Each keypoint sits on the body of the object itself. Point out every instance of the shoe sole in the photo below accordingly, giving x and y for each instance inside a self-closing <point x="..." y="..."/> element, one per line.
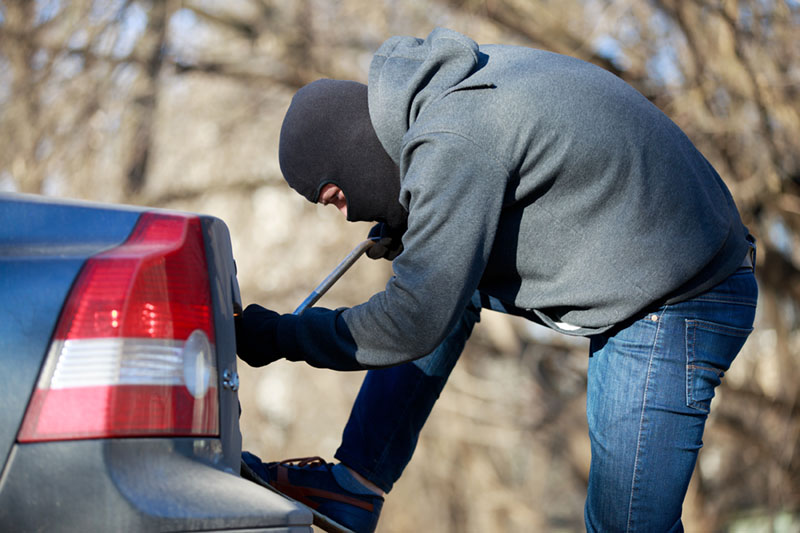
<point x="320" y="520"/>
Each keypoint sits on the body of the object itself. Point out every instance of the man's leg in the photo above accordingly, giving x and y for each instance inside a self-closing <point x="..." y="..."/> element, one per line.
<point x="650" y="389"/>
<point x="393" y="405"/>
<point x="378" y="442"/>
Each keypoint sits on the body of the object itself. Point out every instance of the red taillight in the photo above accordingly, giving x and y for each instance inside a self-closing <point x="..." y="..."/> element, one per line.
<point x="133" y="352"/>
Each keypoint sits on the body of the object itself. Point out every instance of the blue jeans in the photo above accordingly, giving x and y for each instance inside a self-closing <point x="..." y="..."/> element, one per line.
<point x="650" y="385"/>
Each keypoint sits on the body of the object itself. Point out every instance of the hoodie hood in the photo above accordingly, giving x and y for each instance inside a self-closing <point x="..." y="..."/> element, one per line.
<point x="407" y="74"/>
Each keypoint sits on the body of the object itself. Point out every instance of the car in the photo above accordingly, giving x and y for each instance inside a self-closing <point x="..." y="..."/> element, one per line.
<point x="118" y="378"/>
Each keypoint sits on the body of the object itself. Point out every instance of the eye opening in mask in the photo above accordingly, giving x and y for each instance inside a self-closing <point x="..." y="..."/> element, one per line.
<point x="321" y="185"/>
<point x="330" y="193"/>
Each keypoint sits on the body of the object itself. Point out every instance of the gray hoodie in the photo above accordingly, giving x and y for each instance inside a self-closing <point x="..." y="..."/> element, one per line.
<point x="543" y="181"/>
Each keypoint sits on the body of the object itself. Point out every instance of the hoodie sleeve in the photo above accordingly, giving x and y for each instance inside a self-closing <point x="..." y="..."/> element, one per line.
<point x="454" y="192"/>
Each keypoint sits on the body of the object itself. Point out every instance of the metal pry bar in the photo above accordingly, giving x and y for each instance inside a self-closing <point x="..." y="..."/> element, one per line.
<point x="334" y="276"/>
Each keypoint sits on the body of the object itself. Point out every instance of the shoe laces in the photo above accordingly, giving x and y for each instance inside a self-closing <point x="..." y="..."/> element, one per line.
<point x="305" y="462"/>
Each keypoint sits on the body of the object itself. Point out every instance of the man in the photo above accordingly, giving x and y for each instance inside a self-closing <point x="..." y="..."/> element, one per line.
<point x="529" y="183"/>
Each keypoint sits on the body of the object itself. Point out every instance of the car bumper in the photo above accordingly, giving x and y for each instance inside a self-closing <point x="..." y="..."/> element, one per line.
<point x="136" y="485"/>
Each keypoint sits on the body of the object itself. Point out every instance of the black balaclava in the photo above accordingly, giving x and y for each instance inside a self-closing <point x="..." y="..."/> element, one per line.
<point x="327" y="137"/>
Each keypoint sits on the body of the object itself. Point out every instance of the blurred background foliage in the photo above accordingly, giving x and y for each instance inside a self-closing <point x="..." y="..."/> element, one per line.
<point x="178" y="104"/>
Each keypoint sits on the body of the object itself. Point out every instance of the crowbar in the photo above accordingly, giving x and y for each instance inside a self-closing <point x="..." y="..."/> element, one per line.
<point x="335" y="274"/>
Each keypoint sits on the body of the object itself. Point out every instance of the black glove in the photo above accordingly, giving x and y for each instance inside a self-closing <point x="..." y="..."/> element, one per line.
<point x="388" y="243"/>
<point x="257" y="335"/>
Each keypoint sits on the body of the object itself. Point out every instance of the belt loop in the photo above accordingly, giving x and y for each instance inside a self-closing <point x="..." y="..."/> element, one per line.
<point x="752" y="251"/>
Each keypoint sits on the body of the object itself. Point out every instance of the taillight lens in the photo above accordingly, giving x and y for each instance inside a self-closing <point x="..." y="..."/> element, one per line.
<point x="133" y="352"/>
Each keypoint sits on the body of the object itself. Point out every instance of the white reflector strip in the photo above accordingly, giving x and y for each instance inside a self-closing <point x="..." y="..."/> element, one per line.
<point x="115" y="361"/>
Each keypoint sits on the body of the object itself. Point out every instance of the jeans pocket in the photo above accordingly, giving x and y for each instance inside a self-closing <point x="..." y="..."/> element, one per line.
<point x="710" y="350"/>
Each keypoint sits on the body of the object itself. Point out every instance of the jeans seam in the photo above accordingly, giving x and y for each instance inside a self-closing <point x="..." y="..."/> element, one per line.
<point x="726" y="300"/>
<point x="690" y="332"/>
<point x="717" y="327"/>
<point x="642" y="420"/>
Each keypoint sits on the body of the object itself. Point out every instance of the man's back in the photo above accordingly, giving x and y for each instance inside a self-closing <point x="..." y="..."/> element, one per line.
<point x="607" y="206"/>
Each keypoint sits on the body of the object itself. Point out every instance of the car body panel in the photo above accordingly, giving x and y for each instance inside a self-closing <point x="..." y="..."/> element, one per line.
<point x="131" y="484"/>
<point x="42" y="248"/>
<point x="134" y="485"/>
<point x="143" y="485"/>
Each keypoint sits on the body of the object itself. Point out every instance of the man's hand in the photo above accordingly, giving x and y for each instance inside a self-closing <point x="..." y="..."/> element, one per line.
<point x="257" y="336"/>
<point x="388" y="243"/>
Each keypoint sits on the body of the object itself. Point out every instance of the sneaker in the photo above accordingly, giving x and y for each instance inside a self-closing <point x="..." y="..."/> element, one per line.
<point x="311" y="482"/>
